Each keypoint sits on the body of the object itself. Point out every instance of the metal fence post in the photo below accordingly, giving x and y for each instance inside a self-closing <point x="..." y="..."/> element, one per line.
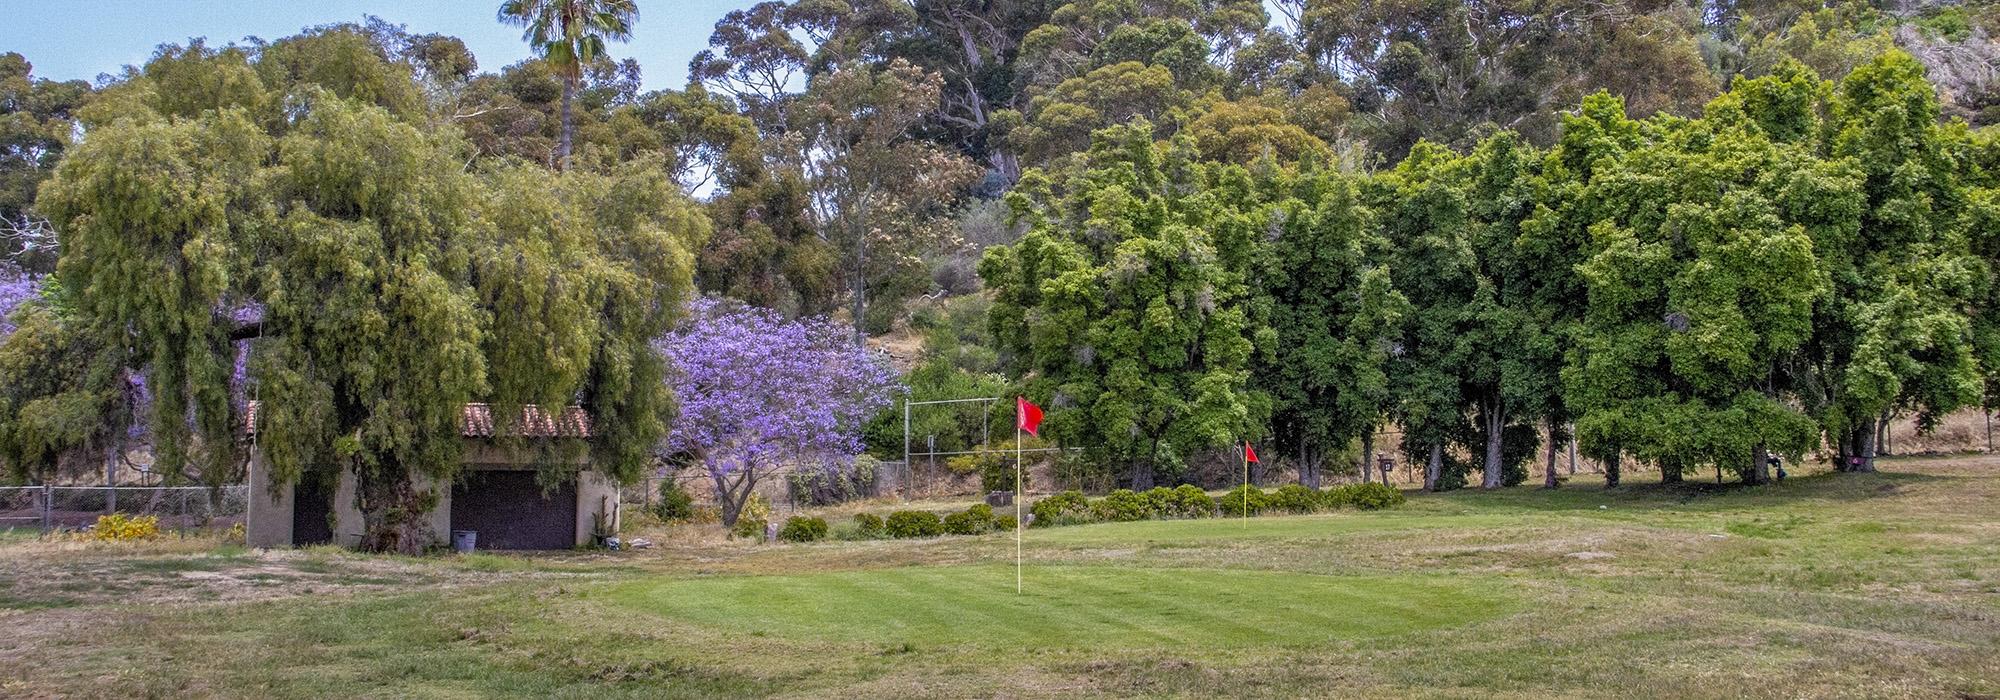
<point x="48" y="504"/>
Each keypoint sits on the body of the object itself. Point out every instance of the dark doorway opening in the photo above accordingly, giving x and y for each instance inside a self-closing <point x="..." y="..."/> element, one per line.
<point x="312" y="512"/>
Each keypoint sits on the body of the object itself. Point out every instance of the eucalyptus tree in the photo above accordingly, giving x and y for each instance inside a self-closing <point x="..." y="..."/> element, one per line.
<point x="570" y="35"/>
<point x="37" y="122"/>
<point x="396" y="284"/>
<point x="878" y="195"/>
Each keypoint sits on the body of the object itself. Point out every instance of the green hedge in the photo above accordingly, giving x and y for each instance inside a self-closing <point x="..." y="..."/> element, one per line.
<point x="1121" y="506"/>
<point x="1066" y="508"/>
<point x="972" y="521"/>
<point x="1233" y="503"/>
<point x="1368" y="496"/>
<point x="1072" y="508"/>
<point x="1295" y="498"/>
<point x="906" y="524"/>
<point x="869" y="525"/>
<point x="803" y="529"/>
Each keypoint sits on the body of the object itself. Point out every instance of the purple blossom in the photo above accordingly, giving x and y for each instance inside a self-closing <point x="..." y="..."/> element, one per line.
<point x="759" y="393"/>
<point x="16" y="287"/>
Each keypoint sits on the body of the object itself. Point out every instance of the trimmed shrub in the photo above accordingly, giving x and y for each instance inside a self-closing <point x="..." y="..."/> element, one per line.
<point x="1122" y="505"/>
<point x="869" y="525"/>
<point x="972" y="521"/>
<point x="1374" y="496"/>
<point x="1191" y="502"/>
<point x="803" y="529"/>
<point x="1066" y="508"/>
<point x="1232" y="504"/>
<point x="963" y="523"/>
<point x="1296" y="498"/>
<point x="906" y="524"/>
<point x="675" y="504"/>
<point x="1005" y="523"/>
<point x="1160" y="500"/>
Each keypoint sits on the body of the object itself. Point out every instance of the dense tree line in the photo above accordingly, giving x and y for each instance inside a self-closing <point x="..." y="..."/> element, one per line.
<point x="1478" y="221"/>
<point x="1792" y="266"/>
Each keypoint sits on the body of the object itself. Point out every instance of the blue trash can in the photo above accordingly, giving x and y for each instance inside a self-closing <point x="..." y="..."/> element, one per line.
<point x="462" y="541"/>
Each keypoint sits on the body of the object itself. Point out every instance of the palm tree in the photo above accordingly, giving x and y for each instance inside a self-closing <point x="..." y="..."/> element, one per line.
<point x="569" y="34"/>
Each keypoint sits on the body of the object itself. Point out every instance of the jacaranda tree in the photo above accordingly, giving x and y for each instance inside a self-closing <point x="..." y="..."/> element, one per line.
<point x="760" y="395"/>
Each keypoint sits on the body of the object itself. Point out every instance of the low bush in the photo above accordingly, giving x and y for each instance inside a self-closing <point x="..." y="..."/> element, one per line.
<point x="1232" y="504"/>
<point x="800" y="528"/>
<point x="1122" y="505"/>
<point x="1005" y="523"/>
<point x="116" y="527"/>
<point x="1373" y="496"/>
<point x="675" y="504"/>
<point x="1295" y="498"/>
<point x="963" y="523"/>
<point x="1066" y="508"/>
<point x="869" y="525"/>
<point x="906" y="524"/>
<point x="972" y="521"/>
<point x="1160" y="500"/>
<point x="1191" y="502"/>
<point x="748" y="527"/>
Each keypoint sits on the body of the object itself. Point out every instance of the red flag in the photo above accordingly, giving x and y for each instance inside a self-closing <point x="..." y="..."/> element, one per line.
<point x="1027" y="416"/>
<point x="1249" y="453"/>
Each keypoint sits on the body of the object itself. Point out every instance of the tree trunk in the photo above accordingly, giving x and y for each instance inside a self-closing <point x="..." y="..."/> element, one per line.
<point x="1368" y="456"/>
<point x="1864" y="457"/>
<point x="1549" y="474"/>
<point x="393" y="510"/>
<point x="1309" y="465"/>
<point x="1760" y="465"/>
<point x="1142" y="475"/>
<point x="1670" y="471"/>
<point x="568" y="125"/>
<point x="730" y="499"/>
<point x="1611" y="471"/>
<point x="859" y="289"/>
<point x="1882" y="434"/>
<point x="1492" y="477"/>
<point x="1434" y="469"/>
<point x="1843" y="450"/>
<point x="1572" y="449"/>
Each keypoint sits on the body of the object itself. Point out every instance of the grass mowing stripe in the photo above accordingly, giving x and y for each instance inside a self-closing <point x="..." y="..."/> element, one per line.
<point x="1067" y="606"/>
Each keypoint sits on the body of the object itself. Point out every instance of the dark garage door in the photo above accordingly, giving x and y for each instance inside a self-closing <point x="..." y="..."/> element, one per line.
<point x="509" y="511"/>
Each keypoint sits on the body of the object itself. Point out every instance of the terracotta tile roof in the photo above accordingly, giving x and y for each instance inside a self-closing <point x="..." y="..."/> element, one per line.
<point x="478" y="421"/>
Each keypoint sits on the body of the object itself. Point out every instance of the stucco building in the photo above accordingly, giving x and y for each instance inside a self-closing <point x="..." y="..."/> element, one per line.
<point x="496" y="493"/>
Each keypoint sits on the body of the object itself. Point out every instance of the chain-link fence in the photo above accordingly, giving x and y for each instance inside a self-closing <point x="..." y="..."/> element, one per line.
<point x="53" y="508"/>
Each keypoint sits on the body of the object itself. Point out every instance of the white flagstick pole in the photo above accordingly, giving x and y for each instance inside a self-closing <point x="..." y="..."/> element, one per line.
<point x="1246" y="484"/>
<point x="1020" y="494"/>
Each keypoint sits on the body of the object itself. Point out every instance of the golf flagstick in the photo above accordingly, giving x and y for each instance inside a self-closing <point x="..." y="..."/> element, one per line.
<point x="1027" y="417"/>
<point x="1249" y="455"/>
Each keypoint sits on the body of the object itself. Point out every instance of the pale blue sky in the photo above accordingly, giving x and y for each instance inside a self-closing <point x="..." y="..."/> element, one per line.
<point x="67" y="39"/>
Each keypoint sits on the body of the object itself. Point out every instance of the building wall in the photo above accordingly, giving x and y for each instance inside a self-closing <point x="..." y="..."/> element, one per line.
<point x="269" y="522"/>
<point x="594" y="493"/>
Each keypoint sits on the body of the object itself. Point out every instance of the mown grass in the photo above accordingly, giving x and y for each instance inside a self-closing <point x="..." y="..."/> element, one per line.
<point x="1831" y="585"/>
